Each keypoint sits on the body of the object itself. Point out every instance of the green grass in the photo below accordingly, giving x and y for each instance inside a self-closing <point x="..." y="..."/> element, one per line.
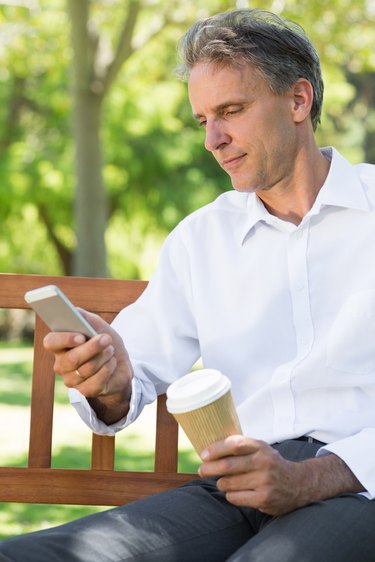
<point x="70" y="450"/>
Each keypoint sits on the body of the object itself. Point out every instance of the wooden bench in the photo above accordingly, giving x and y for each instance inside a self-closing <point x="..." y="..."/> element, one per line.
<point x="102" y="484"/>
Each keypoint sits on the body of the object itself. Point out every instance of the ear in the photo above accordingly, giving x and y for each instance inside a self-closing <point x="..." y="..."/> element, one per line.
<point x="302" y="99"/>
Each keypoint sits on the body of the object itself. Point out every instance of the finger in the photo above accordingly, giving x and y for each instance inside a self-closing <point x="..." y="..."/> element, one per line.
<point x="68" y="361"/>
<point x="232" y="445"/>
<point x="97" y="385"/>
<point x="261" y="500"/>
<point x="245" y="498"/>
<point x="79" y="375"/>
<point x="91" y="367"/>
<point x="226" y="466"/>
<point x="237" y="482"/>
<point x="57" y="342"/>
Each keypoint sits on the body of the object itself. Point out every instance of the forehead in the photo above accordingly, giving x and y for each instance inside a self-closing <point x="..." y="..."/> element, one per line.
<point x="212" y="84"/>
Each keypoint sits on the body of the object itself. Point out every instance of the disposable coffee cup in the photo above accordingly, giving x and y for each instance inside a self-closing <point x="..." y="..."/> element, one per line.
<point x="201" y="402"/>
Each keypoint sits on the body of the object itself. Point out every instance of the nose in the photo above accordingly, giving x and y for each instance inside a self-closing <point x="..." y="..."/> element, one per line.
<point x="216" y="137"/>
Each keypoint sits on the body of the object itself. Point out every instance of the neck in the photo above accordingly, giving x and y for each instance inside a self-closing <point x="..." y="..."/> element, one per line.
<point x="292" y="198"/>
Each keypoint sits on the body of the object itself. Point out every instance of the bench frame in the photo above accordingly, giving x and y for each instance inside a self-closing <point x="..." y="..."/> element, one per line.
<point x="102" y="484"/>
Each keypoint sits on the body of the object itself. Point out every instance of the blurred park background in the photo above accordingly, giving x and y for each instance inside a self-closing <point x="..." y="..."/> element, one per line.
<point x="100" y="158"/>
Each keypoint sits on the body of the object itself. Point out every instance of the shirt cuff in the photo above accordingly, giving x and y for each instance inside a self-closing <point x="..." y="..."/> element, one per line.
<point x="88" y="415"/>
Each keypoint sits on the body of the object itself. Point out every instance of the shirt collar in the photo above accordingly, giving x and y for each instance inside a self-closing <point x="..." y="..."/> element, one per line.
<point x="342" y="188"/>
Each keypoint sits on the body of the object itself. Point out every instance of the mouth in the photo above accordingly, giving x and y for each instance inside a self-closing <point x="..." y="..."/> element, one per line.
<point x="232" y="162"/>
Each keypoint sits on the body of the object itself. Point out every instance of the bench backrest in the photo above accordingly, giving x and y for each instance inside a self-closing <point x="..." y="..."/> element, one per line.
<point x="102" y="484"/>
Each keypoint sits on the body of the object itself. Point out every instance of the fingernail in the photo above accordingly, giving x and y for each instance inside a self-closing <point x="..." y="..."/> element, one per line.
<point x="79" y="338"/>
<point x="105" y="340"/>
<point x="204" y="455"/>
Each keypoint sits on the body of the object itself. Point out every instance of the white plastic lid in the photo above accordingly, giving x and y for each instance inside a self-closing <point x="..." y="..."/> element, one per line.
<point x="195" y="390"/>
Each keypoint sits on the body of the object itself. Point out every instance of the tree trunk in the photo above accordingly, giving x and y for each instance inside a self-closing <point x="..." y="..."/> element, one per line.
<point x="90" y="201"/>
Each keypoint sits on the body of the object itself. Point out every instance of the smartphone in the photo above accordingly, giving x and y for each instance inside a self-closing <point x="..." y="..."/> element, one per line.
<point x="57" y="311"/>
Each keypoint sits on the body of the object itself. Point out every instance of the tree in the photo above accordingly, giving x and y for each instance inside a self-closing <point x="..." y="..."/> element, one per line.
<point x="93" y="77"/>
<point x="95" y="70"/>
<point x="154" y="169"/>
<point x="37" y="123"/>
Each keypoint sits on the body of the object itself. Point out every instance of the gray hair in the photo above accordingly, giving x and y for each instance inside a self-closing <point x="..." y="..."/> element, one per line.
<point x="279" y="49"/>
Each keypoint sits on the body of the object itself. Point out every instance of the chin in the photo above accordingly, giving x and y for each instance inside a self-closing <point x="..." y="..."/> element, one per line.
<point x="244" y="188"/>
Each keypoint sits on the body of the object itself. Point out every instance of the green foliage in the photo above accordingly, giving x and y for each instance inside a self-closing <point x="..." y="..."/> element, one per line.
<point x="155" y="168"/>
<point x="35" y="169"/>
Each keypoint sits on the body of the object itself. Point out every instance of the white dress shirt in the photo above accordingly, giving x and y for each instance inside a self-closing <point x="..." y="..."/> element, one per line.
<point x="286" y="312"/>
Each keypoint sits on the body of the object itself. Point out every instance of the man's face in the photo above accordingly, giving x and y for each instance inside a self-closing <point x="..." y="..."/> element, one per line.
<point x="249" y="130"/>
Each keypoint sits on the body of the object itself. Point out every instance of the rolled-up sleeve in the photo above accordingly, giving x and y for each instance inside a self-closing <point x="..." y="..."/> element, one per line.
<point x="88" y="415"/>
<point x="159" y="333"/>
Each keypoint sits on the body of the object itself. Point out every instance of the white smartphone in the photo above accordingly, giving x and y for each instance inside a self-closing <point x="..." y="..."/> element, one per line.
<point x="57" y="311"/>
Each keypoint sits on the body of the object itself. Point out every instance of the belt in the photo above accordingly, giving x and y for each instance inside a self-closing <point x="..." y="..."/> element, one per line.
<point x="309" y="440"/>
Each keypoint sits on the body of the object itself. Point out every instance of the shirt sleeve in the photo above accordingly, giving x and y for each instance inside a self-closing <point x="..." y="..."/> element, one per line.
<point x="355" y="451"/>
<point x="88" y="415"/>
<point x="159" y="333"/>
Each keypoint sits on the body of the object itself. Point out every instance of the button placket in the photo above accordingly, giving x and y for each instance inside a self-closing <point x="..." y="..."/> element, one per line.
<point x="299" y="290"/>
<point x="281" y="390"/>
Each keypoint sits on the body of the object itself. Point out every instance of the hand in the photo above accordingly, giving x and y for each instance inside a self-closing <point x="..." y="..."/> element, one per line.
<point x="254" y="474"/>
<point x="103" y="365"/>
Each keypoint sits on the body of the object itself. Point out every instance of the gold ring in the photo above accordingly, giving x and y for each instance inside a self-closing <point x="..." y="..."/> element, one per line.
<point x="79" y="374"/>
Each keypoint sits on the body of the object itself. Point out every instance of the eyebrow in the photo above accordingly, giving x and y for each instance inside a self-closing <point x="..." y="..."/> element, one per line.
<point x="221" y="106"/>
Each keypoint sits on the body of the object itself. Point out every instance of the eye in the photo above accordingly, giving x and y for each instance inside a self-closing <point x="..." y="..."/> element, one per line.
<point x="202" y="123"/>
<point x="231" y="112"/>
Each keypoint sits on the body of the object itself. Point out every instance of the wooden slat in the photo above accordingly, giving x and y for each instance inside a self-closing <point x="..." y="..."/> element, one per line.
<point x="83" y="487"/>
<point x="83" y="291"/>
<point x="166" y="447"/>
<point x="103" y="452"/>
<point x="42" y="399"/>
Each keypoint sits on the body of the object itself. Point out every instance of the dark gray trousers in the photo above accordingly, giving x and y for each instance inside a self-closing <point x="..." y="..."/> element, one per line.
<point x="195" y="523"/>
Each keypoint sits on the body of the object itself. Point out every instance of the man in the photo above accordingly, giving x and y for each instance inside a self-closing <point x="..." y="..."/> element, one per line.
<point x="273" y="284"/>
